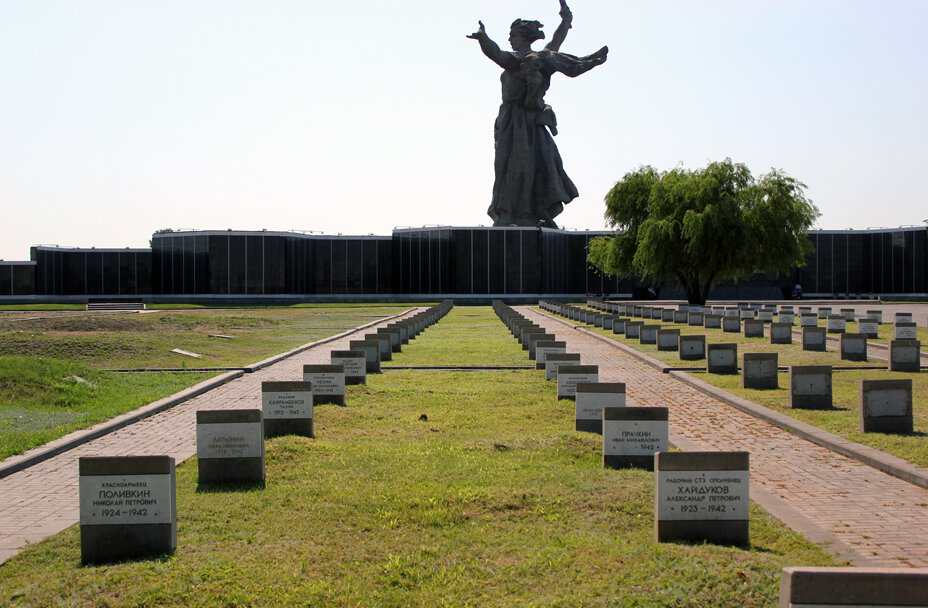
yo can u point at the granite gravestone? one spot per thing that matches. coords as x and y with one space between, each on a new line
328 383
759 371
648 334
810 386
354 363
692 347
836 324
781 333
592 397
701 496
569 375
545 347
731 325
905 355
853 347
813 338
668 339
753 328
722 358
869 328
127 507
869 587
554 360
886 406
287 408
230 446
371 350
633 435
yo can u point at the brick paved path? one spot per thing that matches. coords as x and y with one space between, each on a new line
880 518
43 500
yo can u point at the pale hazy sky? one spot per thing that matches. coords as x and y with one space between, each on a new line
121 117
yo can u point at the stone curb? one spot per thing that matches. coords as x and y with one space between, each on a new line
299 349
872 457
792 518
14 464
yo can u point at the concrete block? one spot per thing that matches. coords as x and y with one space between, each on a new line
813 338
905 355
555 360
753 328
781 333
831 587
568 376
667 339
853 347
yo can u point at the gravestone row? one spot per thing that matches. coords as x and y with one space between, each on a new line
127 504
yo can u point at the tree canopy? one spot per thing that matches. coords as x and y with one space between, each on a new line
700 227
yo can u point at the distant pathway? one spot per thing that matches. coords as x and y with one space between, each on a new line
880 519
43 499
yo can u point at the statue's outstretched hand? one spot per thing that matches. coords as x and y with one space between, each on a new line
481 32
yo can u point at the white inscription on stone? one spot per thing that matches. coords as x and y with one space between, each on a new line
905 332
590 405
634 437
870 328
706 495
326 383
786 317
229 440
808 321
887 403
125 499
353 366
837 324
567 383
294 404
541 352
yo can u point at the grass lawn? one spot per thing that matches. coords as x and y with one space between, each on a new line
133 341
842 419
39 401
492 501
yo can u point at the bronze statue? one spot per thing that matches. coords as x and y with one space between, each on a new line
531 186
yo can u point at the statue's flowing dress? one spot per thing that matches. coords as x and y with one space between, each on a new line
530 178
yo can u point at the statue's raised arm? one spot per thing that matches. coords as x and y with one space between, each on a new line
567 19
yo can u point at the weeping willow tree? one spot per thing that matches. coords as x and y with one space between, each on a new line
705 226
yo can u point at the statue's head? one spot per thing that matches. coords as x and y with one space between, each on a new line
523 30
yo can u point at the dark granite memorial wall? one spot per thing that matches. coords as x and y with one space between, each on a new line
92 272
17 278
270 263
436 261
885 261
